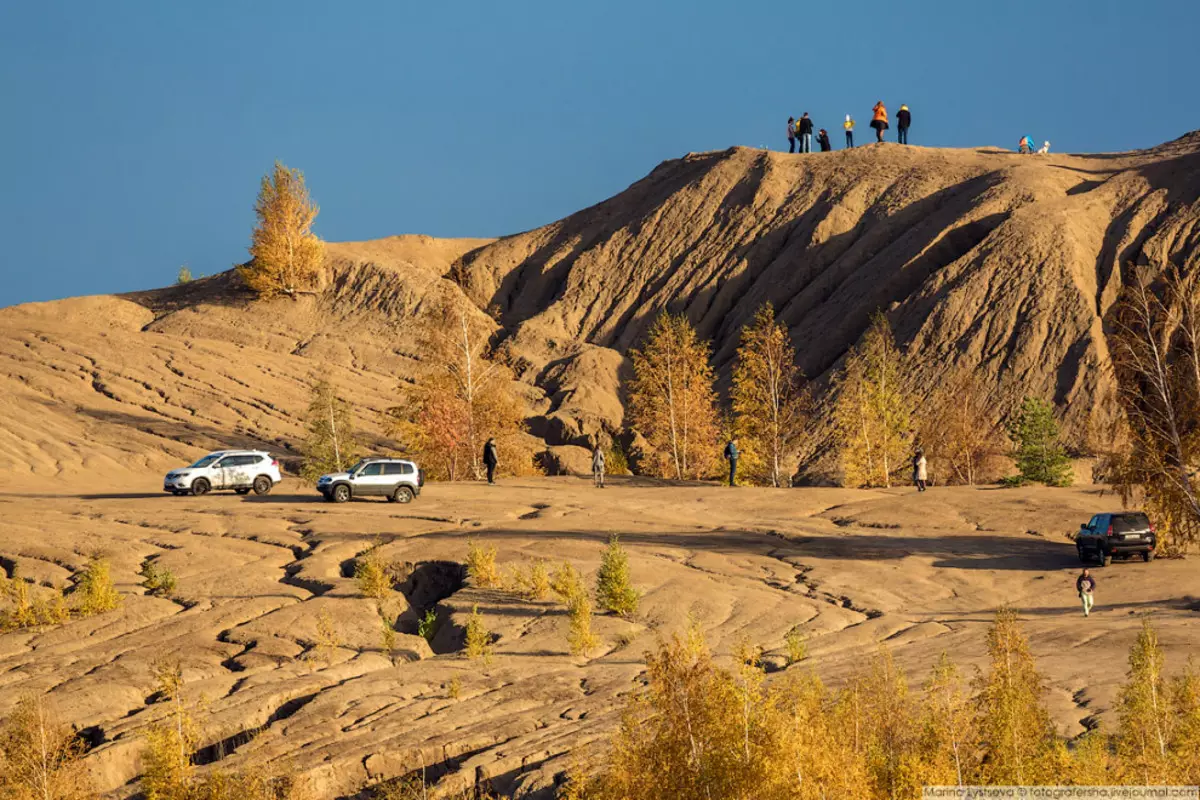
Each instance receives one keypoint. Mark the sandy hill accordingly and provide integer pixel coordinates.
(983, 259)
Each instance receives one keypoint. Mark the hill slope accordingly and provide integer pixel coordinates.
(983, 260)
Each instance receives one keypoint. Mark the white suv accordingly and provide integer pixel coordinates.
(394, 478)
(240, 470)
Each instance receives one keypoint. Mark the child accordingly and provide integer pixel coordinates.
(849, 126)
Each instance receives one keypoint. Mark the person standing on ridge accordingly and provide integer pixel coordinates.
(823, 141)
(903, 120)
(804, 127)
(598, 466)
(490, 460)
(791, 135)
(1085, 584)
(849, 126)
(879, 120)
(731, 455)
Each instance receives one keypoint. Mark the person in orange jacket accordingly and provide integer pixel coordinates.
(879, 121)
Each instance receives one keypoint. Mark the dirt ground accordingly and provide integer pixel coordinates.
(921, 573)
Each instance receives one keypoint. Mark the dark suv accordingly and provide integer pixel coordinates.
(1128, 533)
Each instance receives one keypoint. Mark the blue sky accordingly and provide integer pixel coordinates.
(134, 134)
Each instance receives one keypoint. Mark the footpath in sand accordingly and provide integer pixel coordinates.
(922, 573)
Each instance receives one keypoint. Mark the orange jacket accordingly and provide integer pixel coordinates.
(880, 113)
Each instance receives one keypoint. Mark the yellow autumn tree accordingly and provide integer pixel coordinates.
(464, 396)
(330, 442)
(40, 757)
(768, 399)
(959, 435)
(673, 403)
(1146, 714)
(285, 253)
(873, 409)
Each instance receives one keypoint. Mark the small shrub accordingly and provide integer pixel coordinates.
(797, 647)
(481, 565)
(328, 638)
(580, 636)
(566, 582)
(534, 582)
(158, 581)
(30, 606)
(167, 772)
(184, 276)
(615, 460)
(454, 688)
(371, 575)
(614, 592)
(479, 638)
(427, 627)
(40, 757)
(95, 589)
(387, 631)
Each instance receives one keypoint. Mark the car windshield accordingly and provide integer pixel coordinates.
(204, 462)
(357, 466)
(1127, 523)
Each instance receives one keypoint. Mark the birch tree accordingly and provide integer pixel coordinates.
(769, 401)
(331, 442)
(286, 254)
(673, 402)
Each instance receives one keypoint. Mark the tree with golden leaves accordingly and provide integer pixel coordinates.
(768, 398)
(873, 409)
(465, 396)
(1146, 716)
(1015, 732)
(40, 757)
(330, 442)
(958, 433)
(286, 254)
(673, 402)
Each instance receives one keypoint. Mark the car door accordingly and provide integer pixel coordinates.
(394, 473)
(369, 480)
(238, 473)
(1087, 532)
(218, 472)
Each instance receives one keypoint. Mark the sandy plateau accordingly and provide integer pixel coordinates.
(922, 573)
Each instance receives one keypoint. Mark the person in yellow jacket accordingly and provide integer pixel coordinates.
(849, 126)
(879, 120)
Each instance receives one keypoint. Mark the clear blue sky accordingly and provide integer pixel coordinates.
(133, 134)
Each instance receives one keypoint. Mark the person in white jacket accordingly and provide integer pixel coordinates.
(920, 470)
(598, 466)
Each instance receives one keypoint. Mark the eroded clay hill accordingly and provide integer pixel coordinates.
(984, 260)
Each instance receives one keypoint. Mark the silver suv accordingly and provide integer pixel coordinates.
(396, 479)
(241, 470)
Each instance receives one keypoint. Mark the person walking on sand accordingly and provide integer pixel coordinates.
(849, 126)
(731, 455)
(791, 134)
(598, 466)
(903, 120)
(1085, 584)
(804, 127)
(490, 460)
(823, 141)
(920, 470)
(879, 120)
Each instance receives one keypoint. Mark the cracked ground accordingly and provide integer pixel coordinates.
(921, 573)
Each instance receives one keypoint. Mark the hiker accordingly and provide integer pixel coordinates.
(879, 120)
(903, 120)
(1026, 145)
(804, 127)
(731, 455)
(823, 141)
(598, 466)
(490, 460)
(1085, 584)
(791, 134)
(849, 126)
(920, 470)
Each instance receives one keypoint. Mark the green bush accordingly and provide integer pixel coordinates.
(1039, 455)
(614, 591)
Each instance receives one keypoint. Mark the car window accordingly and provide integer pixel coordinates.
(204, 462)
(408, 469)
(393, 469)
(1124, 523)
(371, 469)
(1092, 522)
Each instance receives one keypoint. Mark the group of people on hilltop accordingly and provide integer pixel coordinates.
(800, 131)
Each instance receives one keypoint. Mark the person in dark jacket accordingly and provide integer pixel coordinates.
(1085, 584)
(804, 127)
(823, 141)
(791, 134)
(490, 459)
(731, 455)
(903, 120)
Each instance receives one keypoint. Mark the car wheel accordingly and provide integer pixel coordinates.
(242, 491)
(341, 493)
(200, 486)
(403, 494)
(262, 485)
(1083, 556)
(1148, 556)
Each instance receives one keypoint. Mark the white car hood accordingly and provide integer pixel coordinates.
(181, 473)
(334, 476)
